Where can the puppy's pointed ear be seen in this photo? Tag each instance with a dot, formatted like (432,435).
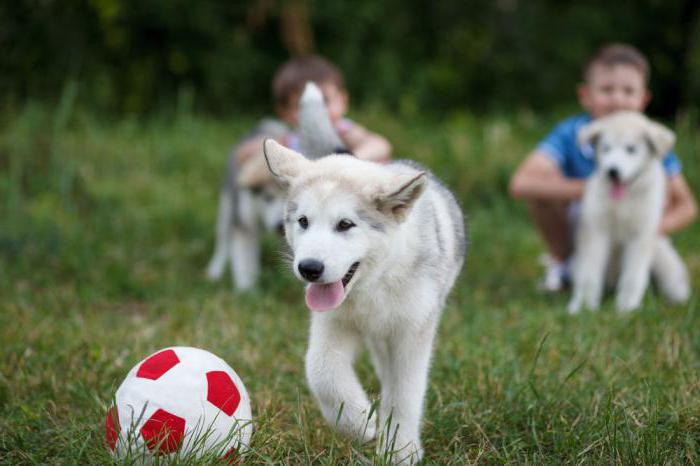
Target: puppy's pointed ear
(659,138)
(254,172)
(285,164)
(590,133)
(400,195)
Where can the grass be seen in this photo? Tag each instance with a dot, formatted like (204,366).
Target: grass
(105,230)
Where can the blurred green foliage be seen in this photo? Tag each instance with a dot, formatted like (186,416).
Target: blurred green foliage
(411,56)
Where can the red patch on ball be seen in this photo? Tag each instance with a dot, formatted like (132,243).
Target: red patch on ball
(222,392)
(164,431)
(158,364)
(231,457)
(112,427)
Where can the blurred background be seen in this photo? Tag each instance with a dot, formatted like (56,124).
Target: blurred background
(408,56)
(117,116)
(116,120)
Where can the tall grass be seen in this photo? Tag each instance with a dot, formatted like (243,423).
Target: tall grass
(105,229)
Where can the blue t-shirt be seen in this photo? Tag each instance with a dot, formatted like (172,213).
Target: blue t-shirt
(575,161)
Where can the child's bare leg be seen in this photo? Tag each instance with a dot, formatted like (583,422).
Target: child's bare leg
(552,221)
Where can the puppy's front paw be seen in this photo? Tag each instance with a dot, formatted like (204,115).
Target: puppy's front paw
(369,430)
(401,451)
(574,306)
(364,426)
(215,270)
(354,423)
(578,303)
(624,307)
(625,302)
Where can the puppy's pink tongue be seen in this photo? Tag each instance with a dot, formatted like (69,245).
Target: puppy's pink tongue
(324,297)
(617,191)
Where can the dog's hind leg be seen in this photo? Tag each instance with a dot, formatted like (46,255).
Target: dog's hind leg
(332,379)
(217,263)
(670,273)
(245,257)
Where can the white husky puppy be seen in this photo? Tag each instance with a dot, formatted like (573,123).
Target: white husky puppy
(618,232)
(379,247)
(251,202)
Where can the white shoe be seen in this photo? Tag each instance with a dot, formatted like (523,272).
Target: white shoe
(556,274)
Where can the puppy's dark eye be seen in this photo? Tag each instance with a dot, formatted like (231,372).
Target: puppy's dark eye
(344,225)
(631,149)
(303,222)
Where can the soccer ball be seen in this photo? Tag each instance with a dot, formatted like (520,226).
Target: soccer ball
(180,401)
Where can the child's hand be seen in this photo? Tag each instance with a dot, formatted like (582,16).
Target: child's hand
(365,144)
(343,126)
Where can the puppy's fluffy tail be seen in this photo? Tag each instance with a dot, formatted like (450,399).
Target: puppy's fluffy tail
(318,136)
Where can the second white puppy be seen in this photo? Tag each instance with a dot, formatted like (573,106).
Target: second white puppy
(617,238)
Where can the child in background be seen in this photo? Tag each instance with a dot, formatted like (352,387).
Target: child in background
(551,179)
(287,86)
(249,199)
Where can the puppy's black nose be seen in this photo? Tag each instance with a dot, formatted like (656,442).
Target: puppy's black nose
(280,228)
(311,269)
(614,175)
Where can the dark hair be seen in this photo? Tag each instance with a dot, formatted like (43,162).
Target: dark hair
(618,54)
(291,77)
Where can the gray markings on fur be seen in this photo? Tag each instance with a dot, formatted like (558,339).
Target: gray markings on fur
(291,210)
(438,232)
(459,228)
(373,221)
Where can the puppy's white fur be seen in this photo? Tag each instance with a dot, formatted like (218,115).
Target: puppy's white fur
(618,232)
(408,237)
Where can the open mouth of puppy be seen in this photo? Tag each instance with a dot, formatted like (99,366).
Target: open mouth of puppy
(327,296)
(617,190)
(618,186)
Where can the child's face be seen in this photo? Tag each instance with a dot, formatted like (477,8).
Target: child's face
(336,102)
(609,89)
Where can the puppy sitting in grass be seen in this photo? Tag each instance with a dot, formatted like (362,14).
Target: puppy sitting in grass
(617,239)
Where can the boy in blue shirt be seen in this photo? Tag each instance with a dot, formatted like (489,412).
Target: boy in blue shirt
(551,179)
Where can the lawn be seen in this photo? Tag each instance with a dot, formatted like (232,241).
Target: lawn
(106,226)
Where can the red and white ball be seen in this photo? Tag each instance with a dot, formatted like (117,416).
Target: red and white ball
(183,400)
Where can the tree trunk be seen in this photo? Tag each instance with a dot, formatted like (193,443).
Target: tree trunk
(297,35)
